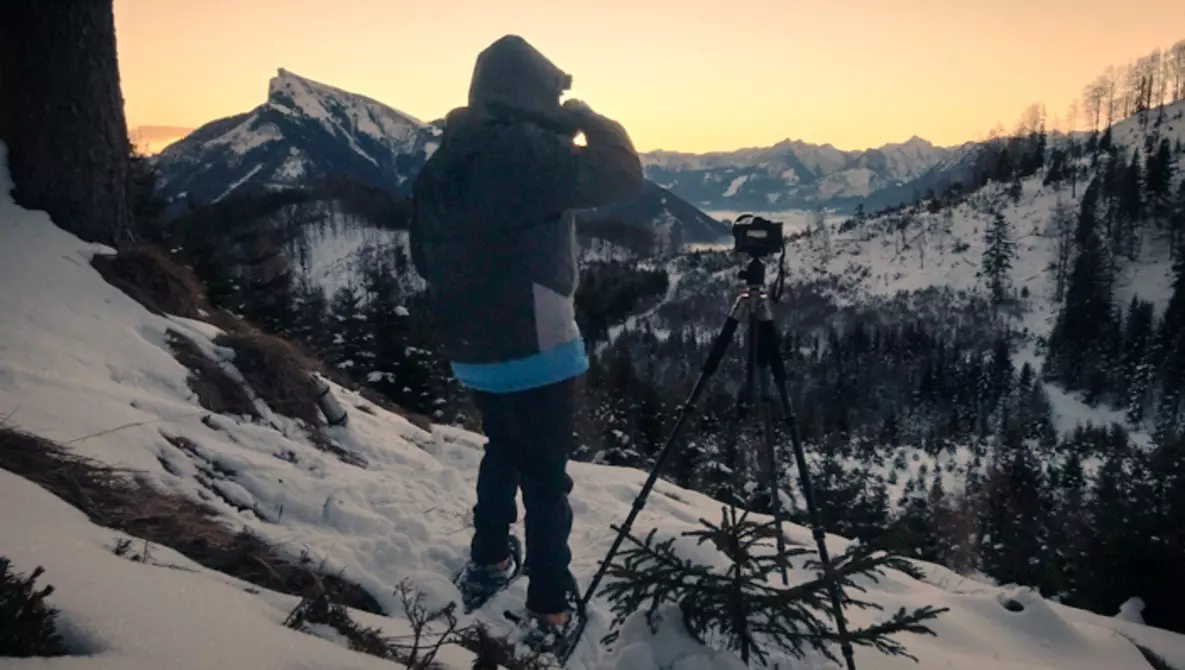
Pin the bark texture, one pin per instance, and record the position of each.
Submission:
(62, 117)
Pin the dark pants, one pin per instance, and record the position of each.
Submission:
(530, 438)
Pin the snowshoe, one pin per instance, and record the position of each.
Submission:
(479, 583)
(544, 637)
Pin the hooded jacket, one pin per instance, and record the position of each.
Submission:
(492, 228)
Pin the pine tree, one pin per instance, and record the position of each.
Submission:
(1015, 516)
(1070, 528)
(998, 255)
(1171, 343)
(1080, 335)
(740, 606)
(1004, 166)
(1159, 181)
(351, 349)
(1131, 206)
(1061, 227)
(310, 321)
(1137, 350)
(1176, 223)
(399, 370)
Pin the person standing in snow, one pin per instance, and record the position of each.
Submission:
(493, 234)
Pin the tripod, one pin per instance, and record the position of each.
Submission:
(763, 352)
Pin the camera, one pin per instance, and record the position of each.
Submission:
(756, 236)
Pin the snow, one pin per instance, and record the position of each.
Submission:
(736, 185)
(336, 252)
(248, 135)
(1130, 132)
(1131, 610)
(83, 364)
(239, 182)
(294, 166)
(348, 114)
(857, 181)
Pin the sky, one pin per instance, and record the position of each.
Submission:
(685, 75)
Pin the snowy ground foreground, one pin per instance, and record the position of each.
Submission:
(83, 364)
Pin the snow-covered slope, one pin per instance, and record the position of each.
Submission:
(1167, 122)
(304, 132)
(83, 364)
(915, 248)
(794, 173)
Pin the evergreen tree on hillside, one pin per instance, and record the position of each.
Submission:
(1176, 223)
(310, 320)
(741, 605)
(352, 347)
(1014, 524)
(1131, 206)
(1061, 228)
(1171, 342)
(1058, 168)
(399, 370)
(1070, 527)
(1138, 358)
(1004, 166)
(1159, 181)
(1081, 334)
(998, 256)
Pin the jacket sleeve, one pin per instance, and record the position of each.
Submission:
(607, 169)
(415, 242)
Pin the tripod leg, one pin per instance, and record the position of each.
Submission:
(719, 347)
(738, 457)
(766, 345)
(735, 457)
(778, 368)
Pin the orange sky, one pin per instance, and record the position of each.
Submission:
(691, 75)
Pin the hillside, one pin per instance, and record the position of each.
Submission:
(85, 365)
(919, 247)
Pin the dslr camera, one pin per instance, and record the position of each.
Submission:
(755, 236)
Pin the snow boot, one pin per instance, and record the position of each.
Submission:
(479, 583)
(545, 637)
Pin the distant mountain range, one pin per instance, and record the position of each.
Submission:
(796, 175)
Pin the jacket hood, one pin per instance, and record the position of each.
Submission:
(510, 72)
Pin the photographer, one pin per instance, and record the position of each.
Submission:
(493, 234)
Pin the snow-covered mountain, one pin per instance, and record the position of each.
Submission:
(796, 174)
(307, 131)
(304, 132)
(88, 367)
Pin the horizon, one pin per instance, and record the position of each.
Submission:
(892, 74)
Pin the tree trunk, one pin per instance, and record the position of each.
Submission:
(61, 115)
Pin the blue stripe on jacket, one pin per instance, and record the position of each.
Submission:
(542, 369)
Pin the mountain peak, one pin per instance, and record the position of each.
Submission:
(304, 130)
(914, 140)
(292, 93)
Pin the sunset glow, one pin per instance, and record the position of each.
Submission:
(690, 75)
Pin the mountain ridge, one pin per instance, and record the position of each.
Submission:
(307, 132)
(303, 132)
(795, 174)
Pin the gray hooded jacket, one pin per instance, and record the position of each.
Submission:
(492, 230)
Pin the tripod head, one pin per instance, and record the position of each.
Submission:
(754, 273)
